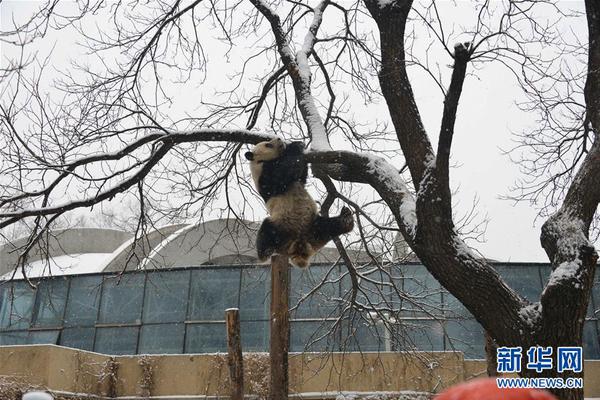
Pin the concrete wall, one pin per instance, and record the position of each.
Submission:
(74, 371)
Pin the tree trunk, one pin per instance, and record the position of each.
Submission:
(234, 354)
(280, 328)
(491, 355)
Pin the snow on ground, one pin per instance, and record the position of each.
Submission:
(37, 396)
(69, 264)
(403, 395)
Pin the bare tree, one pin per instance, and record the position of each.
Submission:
(110, 128)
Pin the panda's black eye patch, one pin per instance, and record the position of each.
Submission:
(269, 145)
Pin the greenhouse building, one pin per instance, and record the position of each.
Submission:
(88, 290)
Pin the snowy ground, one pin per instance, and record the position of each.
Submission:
(403, 395)
(384, 396)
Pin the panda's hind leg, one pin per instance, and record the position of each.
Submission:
(270, 239)
(326, 228)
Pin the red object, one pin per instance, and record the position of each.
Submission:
(486, 389)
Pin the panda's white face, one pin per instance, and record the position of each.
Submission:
(263, 151)
(266, 151)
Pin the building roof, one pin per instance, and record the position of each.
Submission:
(88, 250)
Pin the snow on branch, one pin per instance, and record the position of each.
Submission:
(395, 182)
(310, 39)
(311, 114)
(163, 140)
(570, 238)
(377, 172)
(299, 69)
(565, 272)
(531, 314)
(574, 259)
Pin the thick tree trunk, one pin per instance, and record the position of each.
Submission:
(558, 318)
(435, 242)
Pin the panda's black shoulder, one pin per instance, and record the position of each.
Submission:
(279, 174)
(293, 149)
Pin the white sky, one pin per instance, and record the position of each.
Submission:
(487, 115)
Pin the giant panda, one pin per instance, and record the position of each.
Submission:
(294, 226)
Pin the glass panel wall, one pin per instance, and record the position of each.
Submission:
(255, 294)
(466, 336)
(525, 279)
(5, 305)
(166, 296)
(79, 338)
(205, 338)
(122, 298)
(212, 292)
(43, 337)
(183, 310)
(83, 301)
(313, 336)
(322, 283)
(162, 339)
(50, 303)
(116, 340)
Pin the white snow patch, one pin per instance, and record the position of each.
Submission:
(315, 123)
(70, 264)
(394, 181)
(461, 247)
(531, 314)
(384, 3)
(403, 395)
(313, 119)
(570, 234)
(427, 177)
(309, 41)
(303, 67)
(37, 396)
(566, 271)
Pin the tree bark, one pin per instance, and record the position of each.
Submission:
(436, 243)
(557, 320)
(280, 328)
(234, 354)
(396, 87)
(490, 355)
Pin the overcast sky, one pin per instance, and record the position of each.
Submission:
(487, 116)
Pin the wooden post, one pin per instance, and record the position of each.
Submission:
(280, 328)
(234, 354)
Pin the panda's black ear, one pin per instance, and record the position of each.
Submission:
(249, 155)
